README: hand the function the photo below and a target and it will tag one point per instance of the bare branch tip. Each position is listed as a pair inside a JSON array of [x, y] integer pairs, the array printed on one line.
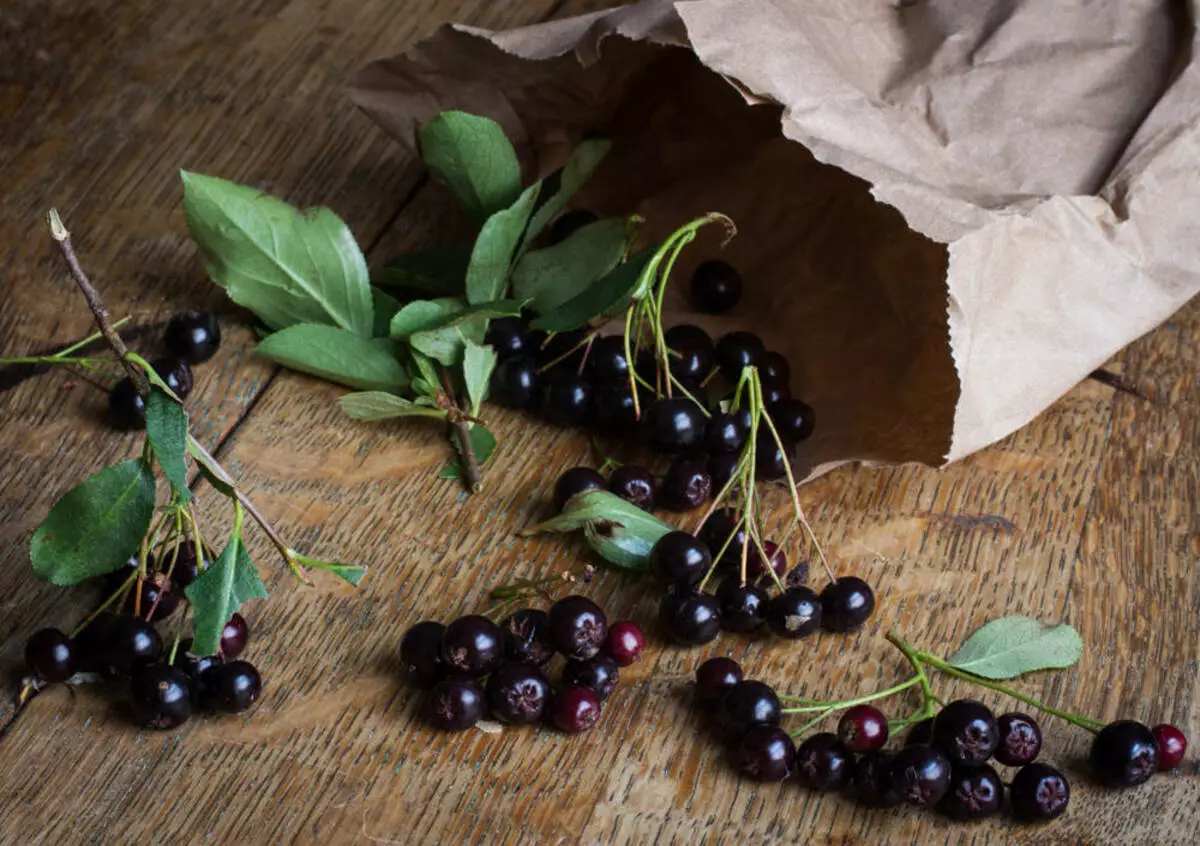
[[58, 231]]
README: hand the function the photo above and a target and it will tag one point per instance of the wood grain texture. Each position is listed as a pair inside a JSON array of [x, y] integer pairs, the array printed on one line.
[[1090, 514]]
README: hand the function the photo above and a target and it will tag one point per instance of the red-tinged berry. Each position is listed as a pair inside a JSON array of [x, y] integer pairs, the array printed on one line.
[[633, 484], [576, 481], [626, 642], [161, 696], [776, 561], [1172, 745], [1124, 754], [747, 704], [716, 677], [1038, 793], [472, 646], [193, 336], [578, 627], [795, 613], [50, 655], [235, 634], [846, 604], [966, 732], [975, 792], [234, 687], [824, 763], [678, 559], [872, 781], [743, 607], [576, 709], [599, 672], [527, 636], [421, 652], [716, 287], [766, 753], [518, 693], [921, 775], [1020, 739], [455, 704], [690, 617], [863, 728]]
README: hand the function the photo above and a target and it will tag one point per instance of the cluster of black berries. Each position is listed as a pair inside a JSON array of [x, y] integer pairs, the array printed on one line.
[[191, 337], [454, 660]]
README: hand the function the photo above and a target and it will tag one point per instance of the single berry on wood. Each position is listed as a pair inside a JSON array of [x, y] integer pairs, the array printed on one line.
[[518, 693], [1020, 739], [633, 484], [472, 646], [687, 484], [743, 606], [193, 336], [625, 643], [514, 383], [1124, 754], [235, 634], [678, 559], [749, 703], [161, 696], [176, 373], [966, 732], [766, 753], [575, 708], [690, 617], [527, 636], [846, 604], [921, 775], [975, 792], [1039, 792], [738, 350], [716, 677], [691, 352], [126, 407], [795, 613], [599, 672], [872, 781], [794, 419], [823, 762], [716, 287], [130, 642], [421, 652], [234, 686], [863, 728], [1172, 745], [455, 704], [673, 425], [50, 655]]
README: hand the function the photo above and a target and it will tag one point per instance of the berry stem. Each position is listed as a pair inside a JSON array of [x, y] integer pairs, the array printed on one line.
[[850, 703], [462, 440], [811, 723], [914, 659]]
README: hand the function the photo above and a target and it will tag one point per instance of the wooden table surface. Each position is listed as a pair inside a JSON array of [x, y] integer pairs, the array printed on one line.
[[1091, 514]]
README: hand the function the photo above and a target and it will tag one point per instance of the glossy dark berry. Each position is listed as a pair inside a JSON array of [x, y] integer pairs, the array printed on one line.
[[50, 655], [508, 336], [574, 481], [691, 352], [794, 419], [158, 599], [725, 433], [687, 484], [421, 652], [615, 414], [678, 559], [774, 392], [578, 627], [472, 646], [560, 352], [872, 781], [234, 686], [795, 613], [176, 373], [743, 607], [518, 693], [716, 287], [568, 223], [766, 753], [90, 642], [774, 366], [723, 531], [736, 351], [1039, 792], [196, 669], [234, 636], [193, 336], [633, 484], [776, 561], [770, 462], [921, 775], [846, 604], [1124, 754], [161, 696], [566, 399], [823, 762], [674, 425], [863, 728], [1020, 739], [965, 731], [600, 673], [187, 568], [1172, 745], [514, 383], [716, 677], [975, 792], [749, 703], [455, 704], [130, 642], [921, 733], [721, 468], [527, 636], [575, 708], [606, 359], [126, 407], [690, 617], [626, 642]]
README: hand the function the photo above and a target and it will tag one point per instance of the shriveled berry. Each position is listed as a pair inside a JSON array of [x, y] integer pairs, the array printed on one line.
[[965, 731], [690, 617], [234, 686], [574, 481], [161, 696], [766, 753], [1020, 739], [455, 704], [234, 636], [472, 646], [633, 484], [738, 350], [176, 373], [975, 792], [527, 636], [794, 419], [716, 677], [508, 336], [846, 604], [514, 383], [576, 708], [673, 425], [421, 652], [743, 607], [599, 672], [126, 407], [1172, 745], [678, 559], [518, 693], [863, 728], [626, 642], [1124, 754], [193, 336], [921, 775], [577, 626], [872, 781], [795, 613], [130, 642], [1039, 792], [749, 703], [50, 655], [568, 223], [716, 287], [823, 762], [687, 484], [691, 352], [567, 399]]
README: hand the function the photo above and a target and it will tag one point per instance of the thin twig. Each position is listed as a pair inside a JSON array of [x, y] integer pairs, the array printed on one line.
[[463, 442]]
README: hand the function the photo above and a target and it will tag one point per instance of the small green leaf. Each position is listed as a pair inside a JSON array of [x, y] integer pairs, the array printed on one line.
[[351, 573], [495, 249], [166, 429], [483, 443], [425, 379], [423, 314], [619, 531], [478, 364], [1012, 646], [440, 271], [96, 526], [445, 340], [286, 266], [220, 591], [606, 297], [556, 274], [337, 355], [473, 156], [581, 164], [220, 485], [386, 307], [378, 405]]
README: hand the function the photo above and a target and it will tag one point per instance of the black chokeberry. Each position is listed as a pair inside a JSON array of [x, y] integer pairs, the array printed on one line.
[[921, 775], [691, 352], [766, 753], [794, 419], [795, 613], [599, 672], [965, 731], [920, 733], [527, 636], [872, 781], [421, 652], [770, 462], [774, 392], [130, 642], [626, 642], [743, 607], [186, 567], [716, 677], [574, 481], [606, 359], [196, 669], [514, 383], [575, 708], [678, 559], [50, 655], [846, 604], [234, 687], [687, 484], [823, 762], [774, 366], [975, 792], [737, 350], [577, 626], [1020, 739], [126, 407], [161, 696], [863, 728], [725, 433], [193, 336], [156, 600], [1039, 792], [723, 530], [568, 223], [615, 413], [176, 373], [472, 646], [633, 484], [1124, 754], [508, 336], [716, 287], [234, 636], [749, 703], [89, 644], [566, 399], [721, 467], [518, 693], [455, 704], [673, 425], [1172, 745], [560, 352], [690, 617]]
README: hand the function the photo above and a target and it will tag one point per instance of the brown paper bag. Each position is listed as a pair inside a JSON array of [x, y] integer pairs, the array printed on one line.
[[948, 213]]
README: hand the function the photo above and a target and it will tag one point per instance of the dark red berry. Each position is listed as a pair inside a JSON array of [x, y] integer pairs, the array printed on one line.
[[130, 642], [126, 407], [568, 223], [774, 366], [766, 753], [161, 696], [776, 560], [921, 775], [747, 704], [234, 636], [673, 425], [975, 792], [1172, 745], [50, 655], [606, 359], [873, 783], [472, 646], [725, 433], [527, 636], [1039, 792], [508, 336], [716, 287], [633, 484], [691, 353], [690, 617], [234, 686], [157, 599], [716, 677], [518, 693], [625, 642], [1124, 754], [687, 484], [738, 350], [965, 731], [193, 336], [615, 414], [1020, 739], [846, 604], [176, 373], [863, 728], [823, 762], [421, 652], [578, 627], [567, 399], [920, 733], [795, 613], [678, 559], [721, 468], [514, 383], [794, 419], [599, 672], [455, 704], [574, 481], [743, 607], [576, 708]]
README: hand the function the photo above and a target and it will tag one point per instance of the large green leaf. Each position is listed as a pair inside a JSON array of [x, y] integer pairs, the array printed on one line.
[[96, 526], [1011, 646], [167, 429], [581, 164], [220, 591], [552, 276], [496, 249], [605, 297], [286, 266], [337, 355], [473, 156]]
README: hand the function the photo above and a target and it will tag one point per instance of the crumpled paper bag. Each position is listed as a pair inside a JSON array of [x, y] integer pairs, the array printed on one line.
[[948, 213]]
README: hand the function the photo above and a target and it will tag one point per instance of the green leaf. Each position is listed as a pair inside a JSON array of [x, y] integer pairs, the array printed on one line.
[[495, 248], [554, 275], [286, 266], [386, 307], [166, 429], [1011, 646], [473, 156], [478, 364], [619, 531], [220, 485], [425, 382], [220, 591], [446, 340], [96, 526], [378, 405], [606, 297], [337, 355], [581, 164], [351, 573], [439, 270], [423, 314], [483, 443]]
